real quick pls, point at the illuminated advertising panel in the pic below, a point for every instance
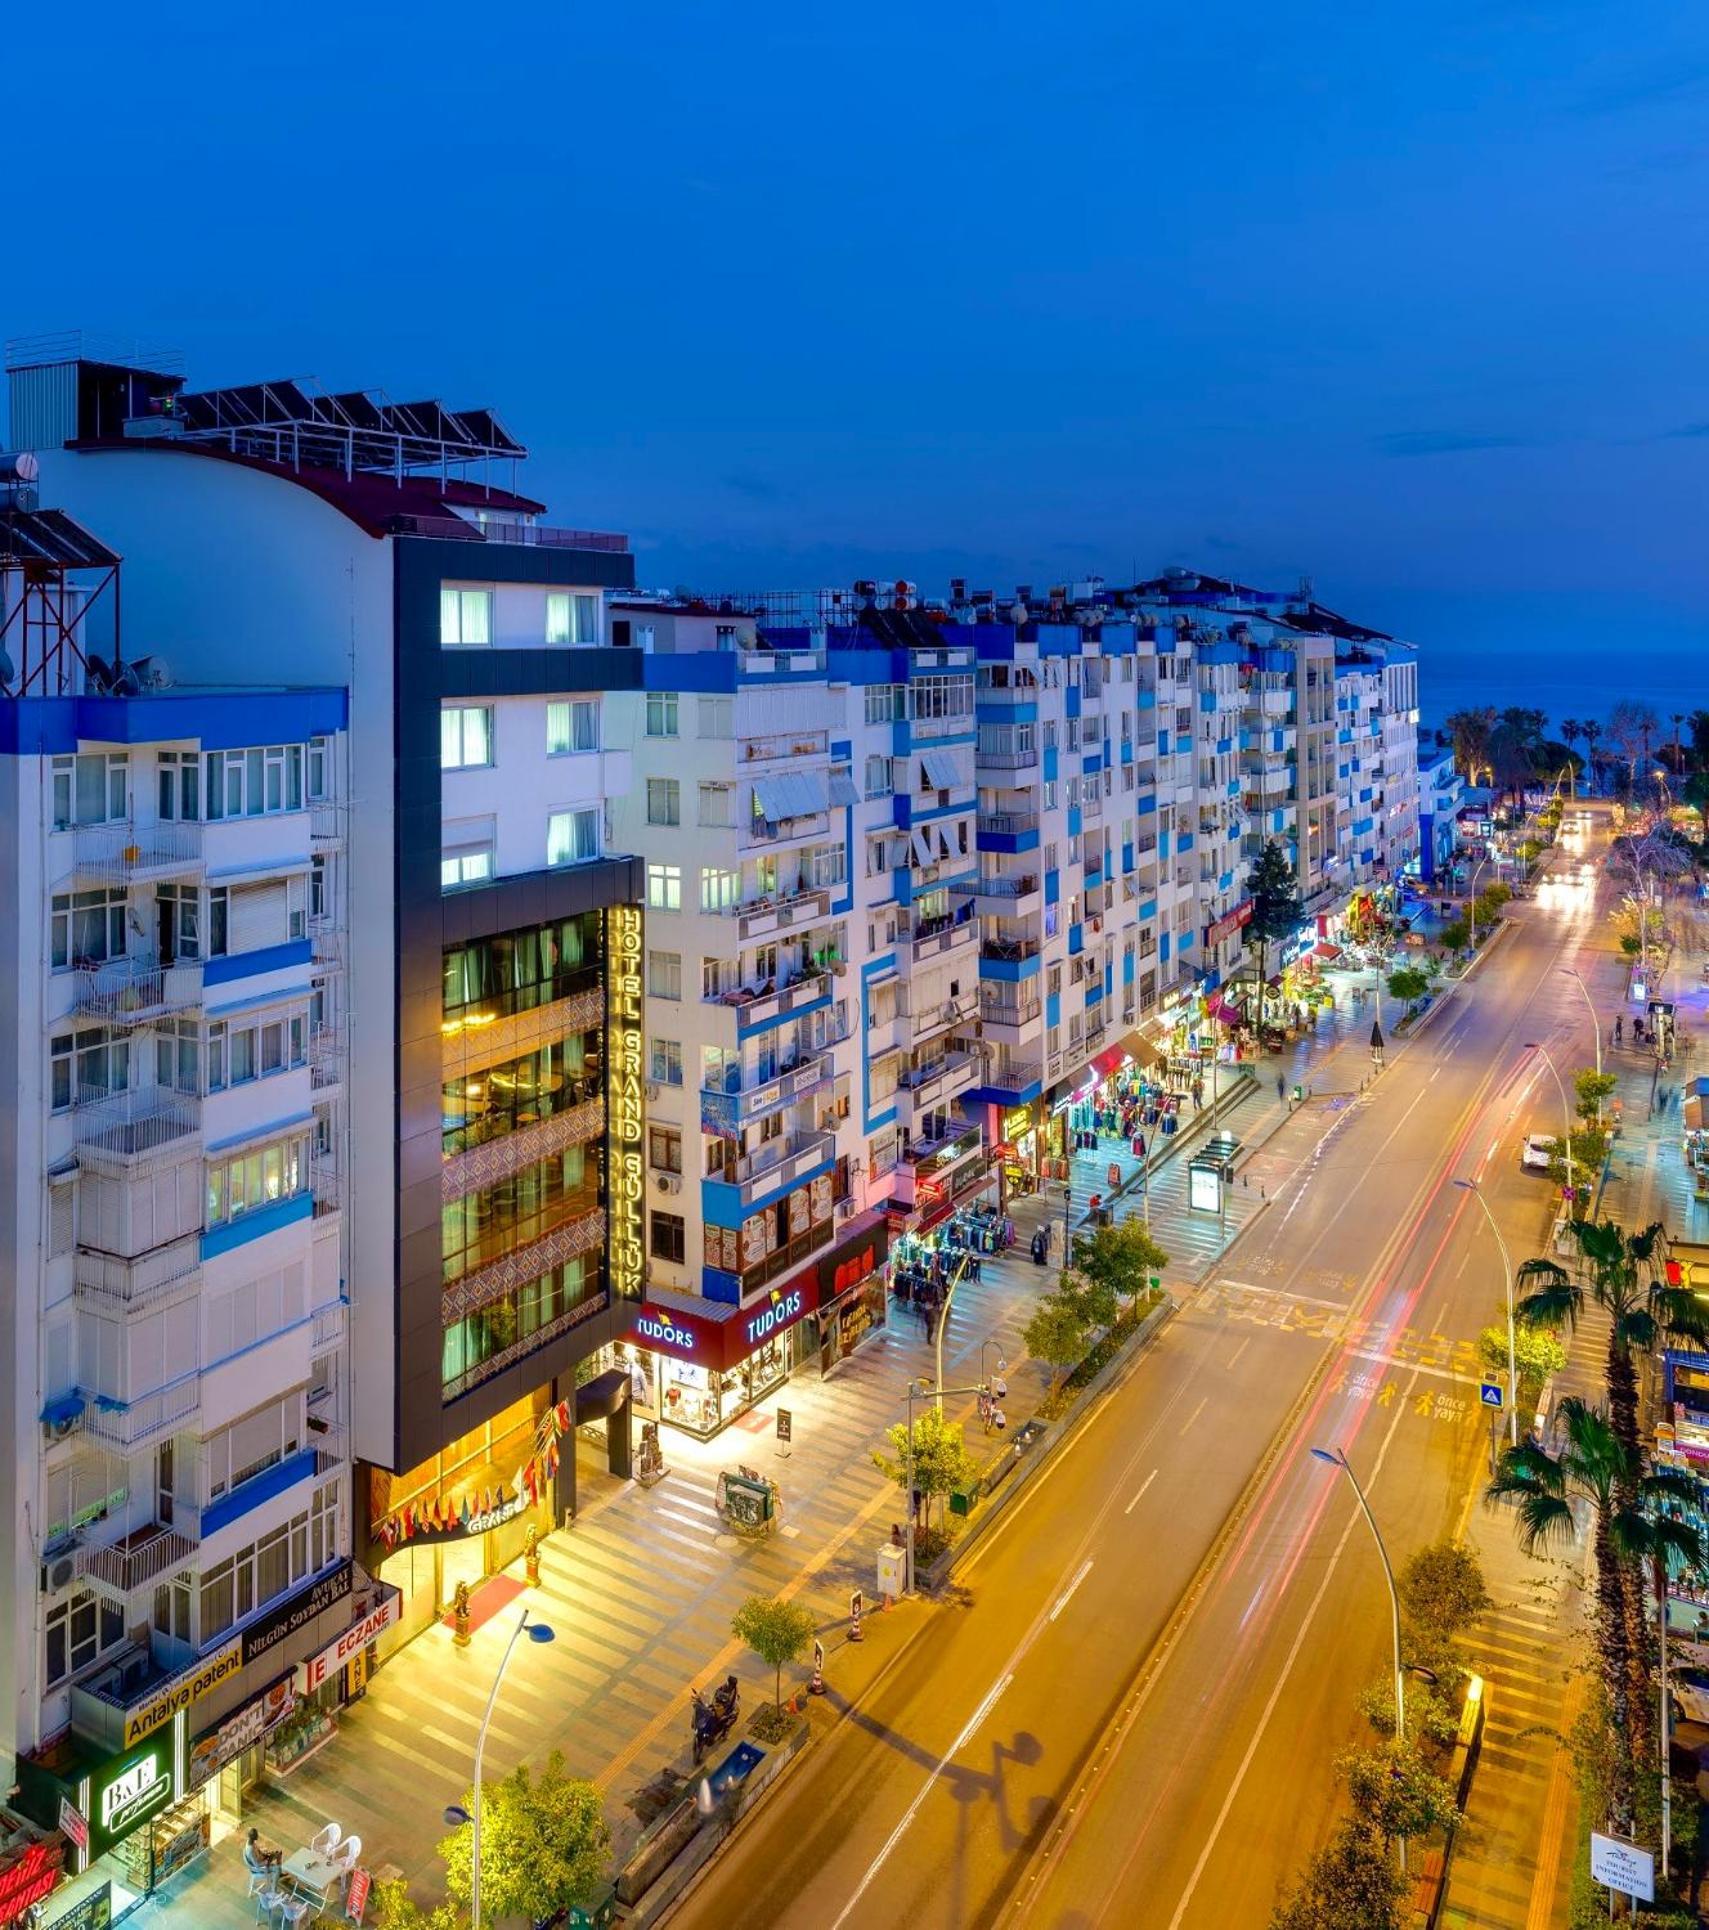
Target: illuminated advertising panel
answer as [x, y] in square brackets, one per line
[626, 1119]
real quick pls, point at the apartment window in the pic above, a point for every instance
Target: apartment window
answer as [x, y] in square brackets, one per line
[1053, 1041]
[719, 890]
[253, 1049]
[661, 713]
[465, 616]
[669, 1237]
[664, 887]
[664, 1149]
[667, 1062]
[664, 975]
[178, 1053]
[252, 1577]
[87, 927]
[664, 801]
[255, 1179]
[572, 616]
[885, 703]
[465, 737]
[717, 717]
[1050, 734]
[718, 806]
[95, 1060]
[179, 781]
[252, 1445]
[572, 725]
[460, 868]
[80, 1630]
[320, 769]
[521, 1092]
[572, 837]
[91, 789]
[219, 920]
[942, 696]
[254, 783]
[880, 776]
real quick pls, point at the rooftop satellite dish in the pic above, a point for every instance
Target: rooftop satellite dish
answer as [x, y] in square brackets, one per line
[8, 670]
[127, 683]
[98, 673]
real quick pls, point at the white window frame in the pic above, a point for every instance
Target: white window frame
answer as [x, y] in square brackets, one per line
[466, 737]
[664, 886]
[464, 610]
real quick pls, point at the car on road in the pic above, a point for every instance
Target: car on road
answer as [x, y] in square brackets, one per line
[1535, 1152]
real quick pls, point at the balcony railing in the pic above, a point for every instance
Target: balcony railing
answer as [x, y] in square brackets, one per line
[1010, 824]
[144, 1554]
[781, 1163]
[1022, 886]
[330, 1323]
[812, 1075]
[945, 935]
[131, 991]
[1015, 1075]
[1009, 950]
[326, 1184]
[1007, 757]
[139, 1283]
[326, 1056]
[134, 1125]
[756, 1004]
[326, 823]
[133, 1424]
[761, 917]
[129, 853]
[787, 744]
[816, 824]
[1010, 1015]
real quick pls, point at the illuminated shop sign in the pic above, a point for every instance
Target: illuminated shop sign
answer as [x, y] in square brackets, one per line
[142, 1718]
[657, 1327]
[626, 1115]
[783, 1311]
[129, 1790]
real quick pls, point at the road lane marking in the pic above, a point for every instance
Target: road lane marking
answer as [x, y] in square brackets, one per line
[1247, 1342]
[896, 1835]
[1067, 1594]
[1138, 1498]
[1191, 1418]
[1299, 1643]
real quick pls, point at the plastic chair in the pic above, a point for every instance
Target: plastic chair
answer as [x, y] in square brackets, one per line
[268, 1898]
[294, 1908]
[325, 1841]
[349, 1850]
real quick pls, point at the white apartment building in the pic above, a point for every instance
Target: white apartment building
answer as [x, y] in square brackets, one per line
[176, 1405]
[1402, 794]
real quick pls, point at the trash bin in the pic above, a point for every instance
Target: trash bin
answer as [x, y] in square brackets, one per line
[962, 1501]
[1298, 1094]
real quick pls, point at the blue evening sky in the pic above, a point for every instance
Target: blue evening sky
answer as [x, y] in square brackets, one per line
[1407, 297]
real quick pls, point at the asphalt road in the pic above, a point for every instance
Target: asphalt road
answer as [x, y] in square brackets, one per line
[1129, 1713]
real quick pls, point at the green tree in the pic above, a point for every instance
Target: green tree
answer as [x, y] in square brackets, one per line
[1442, 1589]
[1349, 1884]
[1456, 934]
[1408, 983]
[1539, 1352]
[1590, 1089]
[1276, 906]
[1059, 1330]
[942, 1462]
[777, 1632]
[1397, 1791]
[1469, 733]
[1121, 1260]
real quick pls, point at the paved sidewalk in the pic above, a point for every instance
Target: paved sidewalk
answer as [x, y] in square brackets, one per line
[640, 1591]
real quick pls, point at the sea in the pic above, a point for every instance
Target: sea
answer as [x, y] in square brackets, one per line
[1457, 677]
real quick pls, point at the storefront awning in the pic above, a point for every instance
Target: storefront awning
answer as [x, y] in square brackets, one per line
[797, 794]
[714, 1334]
[1325, 950]
[1107, 1062]
[1228, 1014]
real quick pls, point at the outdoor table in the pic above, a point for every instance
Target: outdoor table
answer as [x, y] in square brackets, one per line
[317, 1875]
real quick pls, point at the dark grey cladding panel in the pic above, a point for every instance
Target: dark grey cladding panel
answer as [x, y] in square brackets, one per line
[534, 897]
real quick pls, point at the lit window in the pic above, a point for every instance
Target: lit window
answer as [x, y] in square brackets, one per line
[465, 616]
[572, 617]
[664, 887]
[465, 737]
[572, 726]
[465, 868]
[572, 837]
[719, 890]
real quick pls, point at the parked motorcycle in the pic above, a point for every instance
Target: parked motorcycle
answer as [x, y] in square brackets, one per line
[714, 1720]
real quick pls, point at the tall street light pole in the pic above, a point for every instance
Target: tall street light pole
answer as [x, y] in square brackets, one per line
[943, 1322]
[455, 1814]
[1595, 1023]
[1533, 1045]
[912, 1396]
[1471, 1186]
[1472, 898]
[1337, 1458]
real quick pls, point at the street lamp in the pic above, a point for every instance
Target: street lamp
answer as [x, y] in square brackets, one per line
[943, 1323]
[455, 1813]
[1471, 1186]
[1337, 1458]
[1532, 1045]
[1595, 1024]
[1472, 898]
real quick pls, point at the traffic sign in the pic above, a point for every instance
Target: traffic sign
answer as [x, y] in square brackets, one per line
[1490, 1393]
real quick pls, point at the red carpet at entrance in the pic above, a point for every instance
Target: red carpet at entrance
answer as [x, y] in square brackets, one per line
[755, 1423]
[493, 1596]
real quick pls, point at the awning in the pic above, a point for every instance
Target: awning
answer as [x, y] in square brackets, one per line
[843, 792]
[62, 1409]
[1107, 1062]
[1228, 1014]
[945, 770]
[1324, 950]
[921, 840]
[1135, 1047]
[798, 794]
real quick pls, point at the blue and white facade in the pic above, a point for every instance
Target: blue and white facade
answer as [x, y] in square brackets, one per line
[173, 1038]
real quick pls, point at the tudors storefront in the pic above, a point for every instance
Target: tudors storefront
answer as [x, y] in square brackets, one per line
[700, 1364]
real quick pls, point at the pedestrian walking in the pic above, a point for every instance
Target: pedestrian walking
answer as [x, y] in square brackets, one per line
[1281, 1087]
[1619, 1023]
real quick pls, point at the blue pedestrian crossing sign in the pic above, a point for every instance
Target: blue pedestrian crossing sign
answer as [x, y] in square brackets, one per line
[1490, 1393]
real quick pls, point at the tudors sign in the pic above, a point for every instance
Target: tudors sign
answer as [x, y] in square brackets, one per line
[296, 1612]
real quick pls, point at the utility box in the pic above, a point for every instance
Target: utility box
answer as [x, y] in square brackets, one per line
[890, 1560]
[962, 1501]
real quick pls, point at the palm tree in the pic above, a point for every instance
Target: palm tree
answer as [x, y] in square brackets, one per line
[1571, 731]
[1628, 1277]
[1593, 1467]
[1468, 731]
[1591, 730]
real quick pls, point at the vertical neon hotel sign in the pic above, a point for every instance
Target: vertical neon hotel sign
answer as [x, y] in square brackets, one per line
[625, 1114]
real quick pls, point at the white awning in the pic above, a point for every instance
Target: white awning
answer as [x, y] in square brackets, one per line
[946, 770]
[843, 790]
[799, 794]
[922, 841]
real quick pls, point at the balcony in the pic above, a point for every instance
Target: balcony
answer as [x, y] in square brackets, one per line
[126, 854]
[998, 751]
[133, 1424]
[1018, 896]
[134, 991]
[137, 1125]
[1011, 1022]
[778, 1165]
[942, 1014]
[326, 824]
[770, 831]
[326, 1185]
[762, 917]
[107, 1283]
[757, 1005]
[750, 1102]
[1015, 1076]
[1008, 824]
[326, 1057]
[791, 745]
[923, 1088]
[143, 1554]
[942, 935]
